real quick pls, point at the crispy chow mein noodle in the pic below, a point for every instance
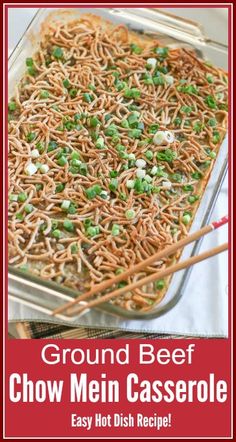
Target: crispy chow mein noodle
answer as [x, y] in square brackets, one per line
[111, 143]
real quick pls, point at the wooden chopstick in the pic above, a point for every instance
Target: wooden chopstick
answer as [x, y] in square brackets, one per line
[152, 259]
[153, 277]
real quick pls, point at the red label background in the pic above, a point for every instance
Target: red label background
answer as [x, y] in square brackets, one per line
[54, 419]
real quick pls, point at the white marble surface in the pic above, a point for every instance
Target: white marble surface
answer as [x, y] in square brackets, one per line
[203, 309]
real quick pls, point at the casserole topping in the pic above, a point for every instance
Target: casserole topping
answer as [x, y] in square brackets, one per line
[111, 141]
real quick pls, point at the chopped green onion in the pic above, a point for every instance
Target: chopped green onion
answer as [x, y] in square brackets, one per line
[166, 155]
[115, 230]
[20, 216]
[91, 87]
[93, 191]
[153, 128]
[94, 122]
[116, 74]
[115, 139]
[177, 177]
[94, 135]
[12, 106]
[111, 130]
[161, 51]
[62, 161]
[186, 109]
[135, 49]
[211, 102]
[75, 155]
[120, 85]
[44, 168]
[210, 78]
[93, 231]
[148, 178]
[139, 185]
[57, 53]
[59, 188]
[159, 171]
[177, 121]
[73, 93]
[38, 186]
[72, 209]
[29, 208]
[52, 145]
[30, 136]
[186, 218]
[130, 184]
[22, 197]
[104, 194]
[57, 234]
[87, 97]
[188, 188]
[169, 80]
[188, 89]
[216, 137]
[193, 198]
[187, 123]
[198, 127]
[74, 249]
[212, 155]
[54, 224]
[223, 106]
[156, 189]
[68, 225]
[66, 83]
[29, 62]
[132, 93]
[39, 146]
[65, 204]
[140, 173]
[13, 198]
[75, 163]
[113, 185]
[149, 155]
[196, 175]
[113, 173]
[212, 122]
[135, 133]
[87, 222]
[131, 157]
[122, 196]
[159, 80]
[83, 169]
[130, 214]
[108, 117]
[77, 117]
[206, 164]
[44, 94]
[148, 81]
[69, 125]
[31, 71]
[31, 169]
[159, 285]
[133, 117]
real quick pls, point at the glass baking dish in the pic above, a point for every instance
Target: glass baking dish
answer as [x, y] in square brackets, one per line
[45, 296]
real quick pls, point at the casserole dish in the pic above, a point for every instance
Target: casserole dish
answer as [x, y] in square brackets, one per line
[30, 288]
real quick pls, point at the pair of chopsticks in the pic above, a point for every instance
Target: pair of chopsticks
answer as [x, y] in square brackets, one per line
[99, 288]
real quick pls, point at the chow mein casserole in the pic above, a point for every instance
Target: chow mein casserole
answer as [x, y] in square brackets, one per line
[112, 140]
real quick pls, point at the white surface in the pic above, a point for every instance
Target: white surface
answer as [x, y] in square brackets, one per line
[203, 309]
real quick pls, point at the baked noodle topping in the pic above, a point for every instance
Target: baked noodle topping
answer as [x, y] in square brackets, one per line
[112, 139]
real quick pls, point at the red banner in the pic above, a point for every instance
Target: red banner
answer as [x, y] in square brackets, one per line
[110, 388]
